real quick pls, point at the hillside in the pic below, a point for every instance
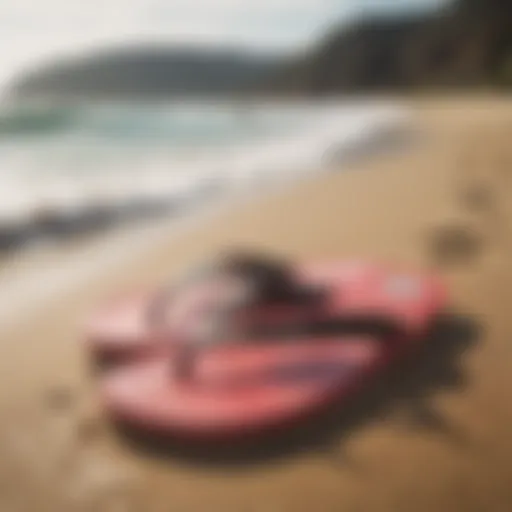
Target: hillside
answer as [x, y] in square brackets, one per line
[147, 72]
[466, 45]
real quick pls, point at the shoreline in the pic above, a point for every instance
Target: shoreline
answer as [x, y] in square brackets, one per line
[405, 206]
[63, 204]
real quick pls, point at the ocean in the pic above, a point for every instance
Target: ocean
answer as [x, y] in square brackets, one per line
[62, 164]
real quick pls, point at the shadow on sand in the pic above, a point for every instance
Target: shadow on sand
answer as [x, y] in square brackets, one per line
[407, 387]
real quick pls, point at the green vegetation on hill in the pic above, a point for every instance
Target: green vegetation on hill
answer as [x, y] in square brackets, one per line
[468, 44]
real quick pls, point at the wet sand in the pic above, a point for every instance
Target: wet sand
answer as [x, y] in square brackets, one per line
[434, 436]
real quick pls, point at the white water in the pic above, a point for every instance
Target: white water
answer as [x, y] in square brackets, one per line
[79, 158]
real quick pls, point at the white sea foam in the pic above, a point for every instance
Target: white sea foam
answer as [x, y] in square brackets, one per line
[85, 158]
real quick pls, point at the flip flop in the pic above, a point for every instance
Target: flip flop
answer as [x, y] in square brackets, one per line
[127, 328]
[239, 391]
[248, 387]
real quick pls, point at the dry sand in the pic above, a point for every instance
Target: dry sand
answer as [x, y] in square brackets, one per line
[436, 438]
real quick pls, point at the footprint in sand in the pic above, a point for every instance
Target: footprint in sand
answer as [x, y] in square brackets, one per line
[480, 192]
[99, 483]
[455, 244]
[60, 449]
[477, 197]
[97, 480]
[90, 479]
[474, 166]
[60, 400]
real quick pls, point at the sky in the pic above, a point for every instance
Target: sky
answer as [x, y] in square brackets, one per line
[35, 31]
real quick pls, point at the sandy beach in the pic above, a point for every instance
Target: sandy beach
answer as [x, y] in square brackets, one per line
[437, 438]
